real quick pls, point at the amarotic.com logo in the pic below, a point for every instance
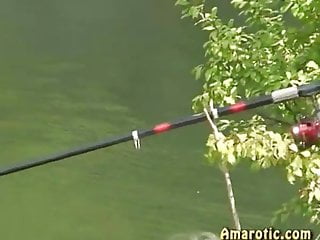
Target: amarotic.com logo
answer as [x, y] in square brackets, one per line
[265, 234]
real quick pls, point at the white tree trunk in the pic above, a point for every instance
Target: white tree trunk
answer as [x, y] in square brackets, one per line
[225, 171]
[231, 198]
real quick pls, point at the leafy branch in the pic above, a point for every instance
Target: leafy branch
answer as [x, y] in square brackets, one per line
[265, 54]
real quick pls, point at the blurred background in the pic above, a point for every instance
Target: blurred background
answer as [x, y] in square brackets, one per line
[74, 72]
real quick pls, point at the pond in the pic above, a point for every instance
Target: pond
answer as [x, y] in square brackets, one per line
[74, 72]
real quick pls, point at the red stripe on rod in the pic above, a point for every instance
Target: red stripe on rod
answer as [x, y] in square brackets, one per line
[162, 127]
[238, 107]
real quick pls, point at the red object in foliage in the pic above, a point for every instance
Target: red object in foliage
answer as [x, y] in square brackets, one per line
[306, 132]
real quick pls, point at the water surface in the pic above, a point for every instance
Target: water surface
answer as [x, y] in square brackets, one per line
[74, 72]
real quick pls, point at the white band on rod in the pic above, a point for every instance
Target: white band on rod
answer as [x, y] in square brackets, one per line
[214, 111]
[136, 140]
[285, 94]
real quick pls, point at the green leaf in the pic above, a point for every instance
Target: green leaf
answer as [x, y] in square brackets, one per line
[214, 12]
[209, 28]
[207, 74]
[291, 178]
[297, 172]
[317, 193]
[286, 6]
[306, 153]
[197, 72]
[194, 11]
[231, 158]
[313, 65]
[239, 3]
[182, 2]
[293, 147]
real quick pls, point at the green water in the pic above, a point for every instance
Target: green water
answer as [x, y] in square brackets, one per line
[74, 72]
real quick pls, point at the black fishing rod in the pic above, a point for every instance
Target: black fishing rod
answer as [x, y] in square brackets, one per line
[275, 97]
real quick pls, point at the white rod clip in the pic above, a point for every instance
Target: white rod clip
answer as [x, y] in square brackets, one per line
[215, 115]
[214, 111]
[136, 140]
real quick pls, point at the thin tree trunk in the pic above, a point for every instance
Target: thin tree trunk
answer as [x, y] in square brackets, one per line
[231, 198]
[225, 171]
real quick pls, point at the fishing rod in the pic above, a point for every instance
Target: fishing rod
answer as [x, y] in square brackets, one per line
[276, 96]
